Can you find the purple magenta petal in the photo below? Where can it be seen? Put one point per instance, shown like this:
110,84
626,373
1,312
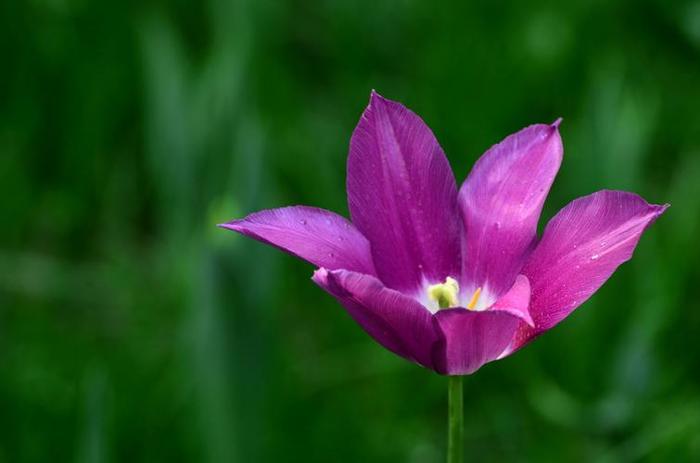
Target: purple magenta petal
516,301
501,201
403,197
474,338
581,247
318,236
395,321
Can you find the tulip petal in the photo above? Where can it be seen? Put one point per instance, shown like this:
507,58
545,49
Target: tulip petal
516,301
501,201
580,248
397,322
320,237
402,196
474,338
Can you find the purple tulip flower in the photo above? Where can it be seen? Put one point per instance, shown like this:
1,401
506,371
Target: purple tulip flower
452,280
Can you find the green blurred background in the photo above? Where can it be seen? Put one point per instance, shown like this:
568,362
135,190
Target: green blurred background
132,329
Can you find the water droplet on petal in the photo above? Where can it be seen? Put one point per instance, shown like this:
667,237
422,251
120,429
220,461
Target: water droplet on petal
595,257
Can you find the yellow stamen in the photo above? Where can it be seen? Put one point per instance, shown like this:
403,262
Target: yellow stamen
474,300
445,294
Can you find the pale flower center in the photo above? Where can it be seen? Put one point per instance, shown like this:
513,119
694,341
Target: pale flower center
446,295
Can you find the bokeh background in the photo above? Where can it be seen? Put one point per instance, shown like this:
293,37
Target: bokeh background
132,329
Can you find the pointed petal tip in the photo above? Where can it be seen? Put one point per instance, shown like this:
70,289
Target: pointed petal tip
555,125
661,208
320,275
330,279
375,97
657,210
233,225
653,210
375,102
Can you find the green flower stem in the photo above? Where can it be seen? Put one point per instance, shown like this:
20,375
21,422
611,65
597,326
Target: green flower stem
455,420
